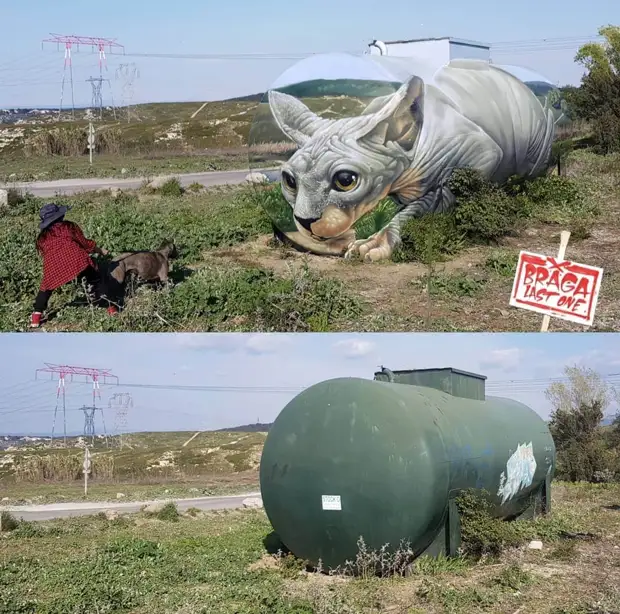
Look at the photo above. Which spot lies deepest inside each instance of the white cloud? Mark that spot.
(354, 348)
(604, 361)
(266, 343)
(503, 360)
(209, 341)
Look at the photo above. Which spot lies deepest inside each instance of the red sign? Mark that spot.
(565, 290)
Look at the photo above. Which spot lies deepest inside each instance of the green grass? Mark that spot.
(217, 563)
(228, 278)
(17, 168)
(203, 297)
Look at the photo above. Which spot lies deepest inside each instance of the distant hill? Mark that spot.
(248, 98)
(315, 88)
(355, 88)
(608, 420)
(259, 427)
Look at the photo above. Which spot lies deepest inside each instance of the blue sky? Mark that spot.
(30, 76)
(280, 360)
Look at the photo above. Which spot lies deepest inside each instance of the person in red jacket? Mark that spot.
(66, 256)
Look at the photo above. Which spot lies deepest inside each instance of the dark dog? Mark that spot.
(148, 266)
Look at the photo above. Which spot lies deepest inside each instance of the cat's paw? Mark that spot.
(373, 249)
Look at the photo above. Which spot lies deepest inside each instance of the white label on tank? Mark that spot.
(331, 502)
(520, 470)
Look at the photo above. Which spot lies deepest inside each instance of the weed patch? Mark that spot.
(484, 213)
(502, 262)
(172, 188)
(447, 285)
(483, 534)
(8, 522)
(167, 513)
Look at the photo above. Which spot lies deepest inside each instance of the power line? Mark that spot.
(538, 44)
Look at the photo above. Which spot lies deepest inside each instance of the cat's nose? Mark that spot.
(307, 222)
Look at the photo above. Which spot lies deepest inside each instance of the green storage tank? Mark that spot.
(352, 457)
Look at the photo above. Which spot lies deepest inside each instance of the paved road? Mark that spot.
(65, 510)
(73, 186)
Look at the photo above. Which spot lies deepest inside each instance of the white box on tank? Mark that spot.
(436, 52)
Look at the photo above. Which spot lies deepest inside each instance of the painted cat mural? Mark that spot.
(406, 145)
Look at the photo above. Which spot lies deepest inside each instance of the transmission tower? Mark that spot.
(120, 402)
(101, 44)
(89, 422)
(128, 74)
(90, 374)
(97, 97)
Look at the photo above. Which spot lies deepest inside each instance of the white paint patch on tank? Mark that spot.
(519, 473)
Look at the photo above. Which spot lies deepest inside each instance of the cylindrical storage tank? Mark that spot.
(351, 457)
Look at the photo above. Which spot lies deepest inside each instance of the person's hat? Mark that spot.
(50, 213)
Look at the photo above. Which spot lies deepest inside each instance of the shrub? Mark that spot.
(483, 534)
(376, 219)
(168, 513)
(60, 141)
(172, 188)
(8, 522)
(597, 100)
(451, 284)
(195, 187)
(487, 217)
(62, 467)
(502, 262)
(430, 238)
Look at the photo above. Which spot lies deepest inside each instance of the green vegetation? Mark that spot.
(167, 513)
(203, 297)
(483, 535)
(166, 139)
(596, 99)
(585, 451)
(354, 88)
(453, 271)
(217, 563)
(149, 466)
(485, 213)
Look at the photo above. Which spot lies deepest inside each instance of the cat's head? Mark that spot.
(345, 167)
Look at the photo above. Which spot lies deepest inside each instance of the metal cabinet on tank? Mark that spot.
(384, 460)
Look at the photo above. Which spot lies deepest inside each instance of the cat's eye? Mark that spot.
(289, 180)
(344, 181)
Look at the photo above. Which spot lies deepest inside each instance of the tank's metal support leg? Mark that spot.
(546, 495)
(453, 529)
(447, 542)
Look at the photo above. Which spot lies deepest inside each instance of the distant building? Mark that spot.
(433, 53)
(436, 51)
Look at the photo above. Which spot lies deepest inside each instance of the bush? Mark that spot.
(489, 215)
(585, 460)
(8, 522)
(484, 534)
(451, 284)
(481, 533)
(485, 212)
(430, 238)
(168, 513)
(597, 100)
(172, 188)
(502, 262)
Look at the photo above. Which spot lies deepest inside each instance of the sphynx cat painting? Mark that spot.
(404, 146)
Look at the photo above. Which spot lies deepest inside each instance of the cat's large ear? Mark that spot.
(396, 118)
(294, 118)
